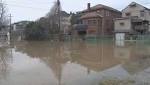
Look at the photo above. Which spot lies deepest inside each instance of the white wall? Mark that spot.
(126, 26)
(136, 11)
(65, 23)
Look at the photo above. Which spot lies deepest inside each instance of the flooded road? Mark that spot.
(74, 63)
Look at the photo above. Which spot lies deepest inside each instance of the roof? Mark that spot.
(64, 14)
(137, 20)
(123, 18)
(100, 6)
(22, 22)
(137, 4)
(91, 15)
(122, 31)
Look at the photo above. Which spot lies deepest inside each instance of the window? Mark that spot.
(92, 22)
(142, 13)
(107, 13)
(128, 14)
(122, 24)
(91, 31)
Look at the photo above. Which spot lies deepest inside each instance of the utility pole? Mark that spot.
(10, 20)
(59, 19)
(10, 27)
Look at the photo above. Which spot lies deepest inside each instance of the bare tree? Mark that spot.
(3, 15)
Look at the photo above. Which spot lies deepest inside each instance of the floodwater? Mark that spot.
(74, 63)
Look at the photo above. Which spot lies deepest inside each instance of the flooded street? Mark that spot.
(74, 63)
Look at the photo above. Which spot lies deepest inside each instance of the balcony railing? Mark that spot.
(141, 27)
(3, 32)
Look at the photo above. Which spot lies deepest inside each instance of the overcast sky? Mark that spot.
(34, 9)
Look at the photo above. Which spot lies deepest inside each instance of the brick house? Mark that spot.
(99, 19)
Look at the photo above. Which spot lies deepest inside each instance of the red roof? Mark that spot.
(100, 6)
(91, 15)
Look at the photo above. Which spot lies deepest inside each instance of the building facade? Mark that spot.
(135, 20)
(65, 22)
(99, 19)
(18, 29)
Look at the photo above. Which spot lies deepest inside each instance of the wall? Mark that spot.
(65, 24)
(93, 28)
(136, 11)
(108, 21)
(126, 26)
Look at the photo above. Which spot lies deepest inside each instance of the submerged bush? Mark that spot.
(117, 82)
(35, 31)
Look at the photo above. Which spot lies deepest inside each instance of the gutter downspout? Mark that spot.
(102, 25)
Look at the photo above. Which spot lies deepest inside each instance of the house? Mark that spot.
(65, 22)
(18, 29)
(135, 21)
(99, 19)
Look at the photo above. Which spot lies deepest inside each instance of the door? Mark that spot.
(120, 36)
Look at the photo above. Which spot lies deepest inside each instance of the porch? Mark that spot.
(140, 26)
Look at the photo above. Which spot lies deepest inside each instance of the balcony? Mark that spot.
(141, 27)
(3, 32)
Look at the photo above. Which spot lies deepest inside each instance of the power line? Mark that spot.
(28, 7)
(16, 5)
(145, 2)
(36, 2)
(31, 2)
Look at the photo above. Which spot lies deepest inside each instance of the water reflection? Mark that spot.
(5, 60)
(74, 63)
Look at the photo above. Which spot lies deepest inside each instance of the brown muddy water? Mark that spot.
(74, 63)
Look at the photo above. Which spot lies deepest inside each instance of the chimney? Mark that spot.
(58, 2)
(89, 6)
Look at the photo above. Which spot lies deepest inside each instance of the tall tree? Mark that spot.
(3, 15)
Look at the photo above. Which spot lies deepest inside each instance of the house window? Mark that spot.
(107, 13)
(142, 13)
(92, 22)
(85, 22)
(122, 24)
(128, 14)
(91, 31)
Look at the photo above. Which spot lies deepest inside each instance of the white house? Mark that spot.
(135, 20)
(65, 24)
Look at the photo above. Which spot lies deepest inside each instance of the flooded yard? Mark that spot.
(75, 63)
